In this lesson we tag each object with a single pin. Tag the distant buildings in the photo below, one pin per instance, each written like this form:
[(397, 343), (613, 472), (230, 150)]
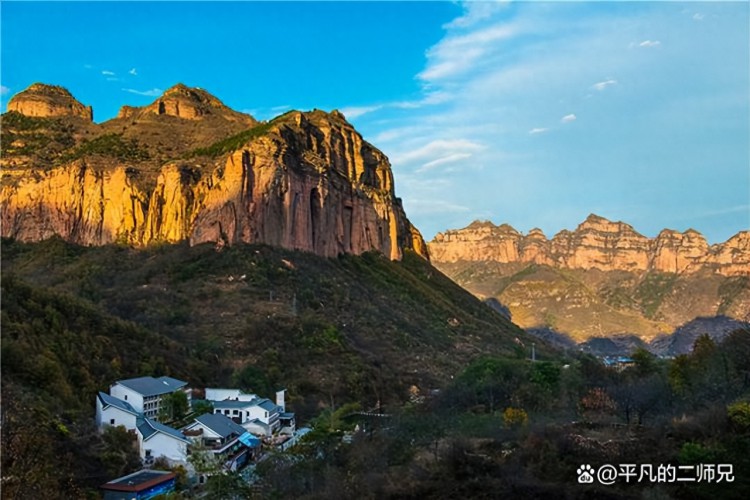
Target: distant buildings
[(228, 434), (260, 416), (145, 394)]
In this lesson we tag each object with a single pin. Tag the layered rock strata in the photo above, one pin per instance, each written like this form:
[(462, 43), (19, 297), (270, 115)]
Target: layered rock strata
[(597, 243), (40, 100), (306, 181)]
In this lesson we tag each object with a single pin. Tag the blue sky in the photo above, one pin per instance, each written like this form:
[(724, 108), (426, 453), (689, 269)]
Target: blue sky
[(530, 113)]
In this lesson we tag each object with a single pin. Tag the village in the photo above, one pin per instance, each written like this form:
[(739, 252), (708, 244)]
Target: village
[(225, 430)]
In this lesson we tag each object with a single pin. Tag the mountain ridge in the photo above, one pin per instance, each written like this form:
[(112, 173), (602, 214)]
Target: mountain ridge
[(602, 279), (595, 243), (186, 167)]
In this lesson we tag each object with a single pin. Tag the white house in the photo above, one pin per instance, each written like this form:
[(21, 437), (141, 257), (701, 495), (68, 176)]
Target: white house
[(227, 440), (111, 411), (158, 440), (214, 394), (145, 394), (261, 416)]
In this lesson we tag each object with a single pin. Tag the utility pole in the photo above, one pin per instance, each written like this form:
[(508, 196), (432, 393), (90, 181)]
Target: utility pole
[(533, 351)]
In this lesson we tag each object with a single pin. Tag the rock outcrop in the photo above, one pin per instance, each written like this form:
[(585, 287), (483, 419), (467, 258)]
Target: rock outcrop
[(305, 181), (597, 243), (186, 102), (40, 100)]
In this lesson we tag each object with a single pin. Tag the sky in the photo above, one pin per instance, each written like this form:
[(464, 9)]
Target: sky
[(534, 114)]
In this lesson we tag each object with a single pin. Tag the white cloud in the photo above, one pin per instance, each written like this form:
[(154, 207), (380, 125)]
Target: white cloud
[(457, 54), (283, 107), (538, 130), (451, 158), (475, 12), (4, 90), (698, 16), (436, 150), (433, 207), (106, 72), (357, 111), (133, 72), (603, 85), (649, 43), (569, 118), (149, 93)]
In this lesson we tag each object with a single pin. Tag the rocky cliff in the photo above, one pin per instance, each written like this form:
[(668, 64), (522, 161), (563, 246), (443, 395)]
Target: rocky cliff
[(602, 279), (597, 243), (305, 181), (42, 100)]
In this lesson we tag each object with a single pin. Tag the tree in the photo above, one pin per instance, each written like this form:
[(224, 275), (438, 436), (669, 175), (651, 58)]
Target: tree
[(174, 406), (202, 407)]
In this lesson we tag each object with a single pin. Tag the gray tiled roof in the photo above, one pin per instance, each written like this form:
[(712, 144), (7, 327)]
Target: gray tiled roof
[(108, 400), (268, 405), (150, 386), (230, 403), (220, 424), (149, 427)]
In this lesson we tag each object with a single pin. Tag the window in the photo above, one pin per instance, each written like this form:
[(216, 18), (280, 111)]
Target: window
[(236, 412), (111, 421), (126, 397)]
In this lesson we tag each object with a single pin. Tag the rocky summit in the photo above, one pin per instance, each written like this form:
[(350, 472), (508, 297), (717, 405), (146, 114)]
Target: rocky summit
[(187, 167), (601, 279), (597, 243), (42, 100)]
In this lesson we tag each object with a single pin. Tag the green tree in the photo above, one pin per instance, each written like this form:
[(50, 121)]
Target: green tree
[(174, 406), (202, 407)]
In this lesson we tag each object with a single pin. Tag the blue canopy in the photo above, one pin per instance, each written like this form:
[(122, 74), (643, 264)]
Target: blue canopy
[(249, 440)]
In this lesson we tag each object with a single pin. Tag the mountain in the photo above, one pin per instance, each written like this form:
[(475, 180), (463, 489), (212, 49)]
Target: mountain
[(188, 168), (602, 279)]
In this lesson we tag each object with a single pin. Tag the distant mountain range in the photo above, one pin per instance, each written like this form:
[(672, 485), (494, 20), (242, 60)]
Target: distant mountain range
[(604, 280)]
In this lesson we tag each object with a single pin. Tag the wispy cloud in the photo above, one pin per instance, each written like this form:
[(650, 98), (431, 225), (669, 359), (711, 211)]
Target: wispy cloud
[(445, 160), (649, 43), (438, 152), (281, 108), (357, 111), (4, 90), (603, 85), (569, 118), (475, 12), (106, 72), (457, 54), (538, 130), (433, 207), (133, 72), (698, 16), (149, 93)]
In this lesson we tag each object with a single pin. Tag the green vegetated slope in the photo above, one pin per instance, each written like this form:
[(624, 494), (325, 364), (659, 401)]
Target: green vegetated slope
[(57, 352), (359, 328), (592, 303)]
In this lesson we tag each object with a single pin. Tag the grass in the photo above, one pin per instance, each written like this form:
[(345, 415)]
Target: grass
[(110, 145)]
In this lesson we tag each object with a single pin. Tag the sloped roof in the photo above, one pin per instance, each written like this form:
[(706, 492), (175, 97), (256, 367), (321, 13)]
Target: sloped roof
[(108, 400), (150, 386), (267, 405), (148, 427), (231, 403), (220, 424)]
